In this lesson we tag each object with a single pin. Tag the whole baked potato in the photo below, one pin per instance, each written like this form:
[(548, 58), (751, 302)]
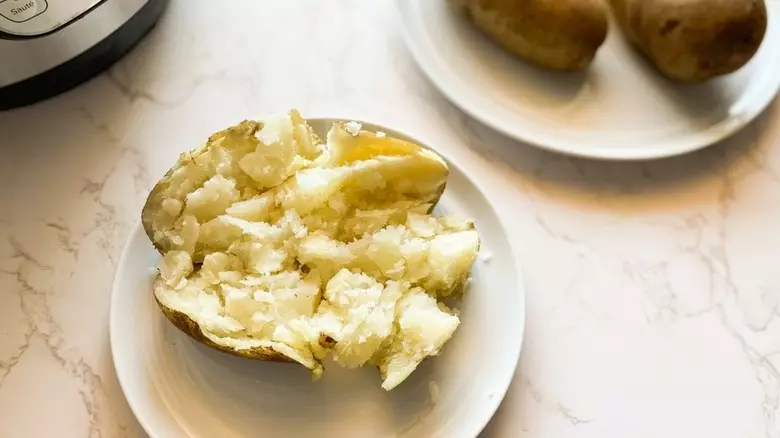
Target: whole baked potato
[(555, 34), (694, 40), (281, 248)]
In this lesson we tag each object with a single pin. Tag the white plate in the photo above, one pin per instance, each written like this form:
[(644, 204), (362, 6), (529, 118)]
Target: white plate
[(620, 109), (179, 388)]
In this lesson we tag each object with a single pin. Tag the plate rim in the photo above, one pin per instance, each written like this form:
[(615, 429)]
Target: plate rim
[(692, 143), (519, 289)]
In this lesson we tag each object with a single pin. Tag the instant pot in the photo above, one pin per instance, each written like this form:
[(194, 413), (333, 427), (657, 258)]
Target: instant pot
[(49, 46)]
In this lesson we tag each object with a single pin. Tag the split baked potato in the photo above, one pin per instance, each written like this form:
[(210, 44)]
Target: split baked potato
[(281, 247)]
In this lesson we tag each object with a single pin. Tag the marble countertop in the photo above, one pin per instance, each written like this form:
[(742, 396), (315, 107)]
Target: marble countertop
[(653, 288)]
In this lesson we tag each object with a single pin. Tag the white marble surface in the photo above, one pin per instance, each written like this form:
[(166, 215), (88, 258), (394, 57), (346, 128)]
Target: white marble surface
[(653, 289)]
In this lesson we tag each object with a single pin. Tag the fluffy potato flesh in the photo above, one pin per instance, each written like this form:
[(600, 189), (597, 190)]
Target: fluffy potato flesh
[(278, 247)]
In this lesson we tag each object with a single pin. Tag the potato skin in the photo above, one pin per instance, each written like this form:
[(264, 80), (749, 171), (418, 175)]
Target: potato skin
[(154, 199), (555, 34), (694, 40), (191, 328)]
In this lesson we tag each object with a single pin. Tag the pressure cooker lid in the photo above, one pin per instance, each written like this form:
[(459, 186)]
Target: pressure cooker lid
[(24, 19)]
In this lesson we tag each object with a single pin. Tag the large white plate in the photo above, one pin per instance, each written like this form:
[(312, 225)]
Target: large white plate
[(179, 388), (620, 109)]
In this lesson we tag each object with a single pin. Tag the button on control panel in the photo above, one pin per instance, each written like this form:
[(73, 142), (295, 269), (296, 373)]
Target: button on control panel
[(20, 11), (30, 18)]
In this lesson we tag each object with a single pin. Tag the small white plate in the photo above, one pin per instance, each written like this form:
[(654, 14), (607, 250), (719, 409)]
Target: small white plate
[(180, 388), (620, 109)]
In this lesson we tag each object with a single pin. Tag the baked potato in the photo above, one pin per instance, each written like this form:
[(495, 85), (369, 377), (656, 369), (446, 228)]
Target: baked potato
[(280, 248), (555, 34), (694, 40), (251, 168)]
